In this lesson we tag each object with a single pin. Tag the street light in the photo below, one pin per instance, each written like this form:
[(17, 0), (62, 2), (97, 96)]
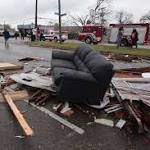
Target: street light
[(36, 15)]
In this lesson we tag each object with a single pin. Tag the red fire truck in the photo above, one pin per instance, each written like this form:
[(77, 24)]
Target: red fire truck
[(143, 30), (91, 34)]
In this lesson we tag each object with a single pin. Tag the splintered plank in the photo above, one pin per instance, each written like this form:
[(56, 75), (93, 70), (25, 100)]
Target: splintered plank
[(27, 130), (17, 95), (9, 66)]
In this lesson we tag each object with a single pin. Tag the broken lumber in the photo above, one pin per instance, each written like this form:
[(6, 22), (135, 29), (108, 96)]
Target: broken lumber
[(27, 130), (9, 66), (18, 95)]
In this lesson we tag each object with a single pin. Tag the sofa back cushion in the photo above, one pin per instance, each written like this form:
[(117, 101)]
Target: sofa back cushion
[(80, 54), (80, 64), (101, 68), (82, 51)]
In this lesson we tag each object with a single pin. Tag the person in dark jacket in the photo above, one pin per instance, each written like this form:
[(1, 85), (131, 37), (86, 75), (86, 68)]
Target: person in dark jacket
[(134, 37), (119, 36), (6, 35)]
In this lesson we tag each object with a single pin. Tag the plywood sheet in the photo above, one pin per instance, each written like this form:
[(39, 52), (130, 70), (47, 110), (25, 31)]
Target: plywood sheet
[(9, 66)]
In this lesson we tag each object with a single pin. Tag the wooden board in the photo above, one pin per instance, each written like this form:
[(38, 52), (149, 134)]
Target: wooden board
[(8, 66), (26, 128), (18, 95)]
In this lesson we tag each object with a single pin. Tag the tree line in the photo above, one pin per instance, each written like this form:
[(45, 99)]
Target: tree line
[(102, 13)]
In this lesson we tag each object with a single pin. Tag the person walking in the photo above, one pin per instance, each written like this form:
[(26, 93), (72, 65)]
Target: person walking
[(16, 35), (119, 36), (22, 35), (6, 35), (134, 38)]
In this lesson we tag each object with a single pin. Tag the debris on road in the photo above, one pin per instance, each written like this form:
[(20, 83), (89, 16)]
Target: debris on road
[(30, 59), (103, 103), (105, 122), (40, 97), (33, 79), (26, 128), (133, 93), (146, 75), (18, 95), (128, 96), (114, 108), (8, 66), (20, 137), (120, 124)]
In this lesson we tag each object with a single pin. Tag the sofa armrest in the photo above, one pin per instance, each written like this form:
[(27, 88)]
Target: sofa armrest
[(78, 88), (62, 55)]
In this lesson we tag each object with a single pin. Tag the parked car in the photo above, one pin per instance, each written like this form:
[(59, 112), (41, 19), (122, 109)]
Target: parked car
[(54, 36)]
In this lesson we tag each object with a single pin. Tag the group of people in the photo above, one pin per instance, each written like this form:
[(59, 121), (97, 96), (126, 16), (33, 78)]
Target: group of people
[(133, 37)]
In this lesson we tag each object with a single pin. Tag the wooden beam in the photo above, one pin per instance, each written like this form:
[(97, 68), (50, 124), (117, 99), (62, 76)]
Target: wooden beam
[(9, 66), (18, 95), (27, 130)]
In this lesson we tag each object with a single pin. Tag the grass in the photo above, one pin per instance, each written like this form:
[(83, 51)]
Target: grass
[(139, 52)]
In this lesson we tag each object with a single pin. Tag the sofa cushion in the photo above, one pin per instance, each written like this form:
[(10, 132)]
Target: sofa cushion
[(98, 66), (79, 64), (62, 63), (59, 73), (83, 50), (62, 55)]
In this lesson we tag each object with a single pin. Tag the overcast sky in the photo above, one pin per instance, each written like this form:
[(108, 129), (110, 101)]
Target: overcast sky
[(22, 11)]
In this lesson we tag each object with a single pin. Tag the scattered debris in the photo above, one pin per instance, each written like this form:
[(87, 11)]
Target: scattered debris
[(20, 137), (18, 95), (33, 79), (114, 108), (64, 109), (131, 93), (120, 124), (59, 119), (58, 107), (30, 59), (131, 90), (146, 75), (103, 103), (40, 97), (106, 122), (42, 71), (8, 66), (27, 130)]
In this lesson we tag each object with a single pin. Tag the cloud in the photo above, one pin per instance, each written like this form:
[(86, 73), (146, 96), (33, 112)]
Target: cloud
[(18, 11)]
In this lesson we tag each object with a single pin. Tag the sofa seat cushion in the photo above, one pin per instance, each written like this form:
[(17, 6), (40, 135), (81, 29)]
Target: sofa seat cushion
[(63, 63), (58, 73)]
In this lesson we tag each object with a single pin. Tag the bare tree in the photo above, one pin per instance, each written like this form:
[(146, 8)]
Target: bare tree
[(101, 11), (80, 20), (145, 18), (96, 15), (123, 17)]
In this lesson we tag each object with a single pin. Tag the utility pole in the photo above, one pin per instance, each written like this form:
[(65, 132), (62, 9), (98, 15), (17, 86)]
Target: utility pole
[(60, 15), (36, 15), (4, 24)]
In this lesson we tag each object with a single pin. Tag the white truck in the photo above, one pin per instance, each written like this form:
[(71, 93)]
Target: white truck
[(54, 36)]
